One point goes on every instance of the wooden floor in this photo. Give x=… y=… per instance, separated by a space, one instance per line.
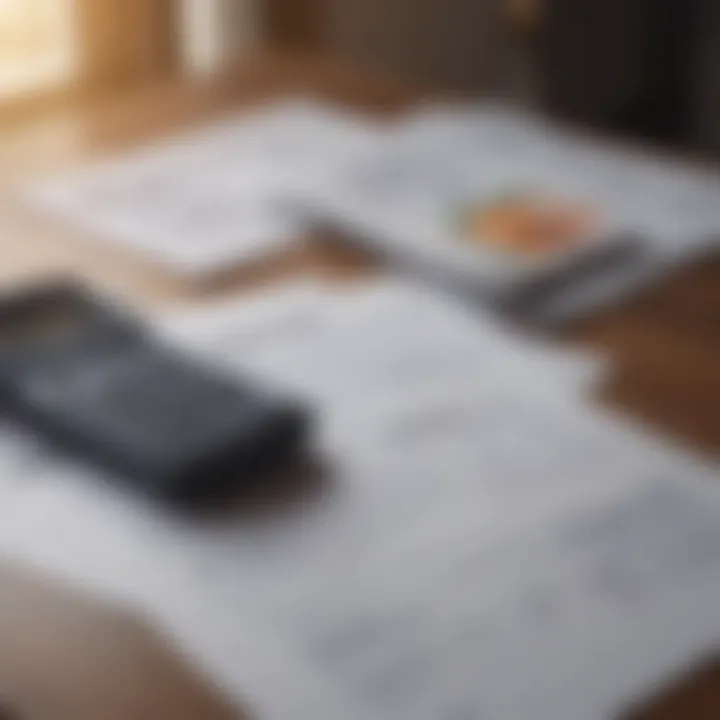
x=68 y=658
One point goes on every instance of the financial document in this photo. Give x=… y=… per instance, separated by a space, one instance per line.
x=410 y=200
x=216 y=197
x=670 y=200
x=477 y=542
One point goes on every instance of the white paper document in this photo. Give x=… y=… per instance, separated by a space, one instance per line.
x=670 y=200
x=216 y=197
x=477 y=542
x=455 y=191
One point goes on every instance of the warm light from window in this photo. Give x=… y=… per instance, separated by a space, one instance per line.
x=38 y=49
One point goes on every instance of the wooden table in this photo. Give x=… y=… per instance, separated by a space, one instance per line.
x=666 y=345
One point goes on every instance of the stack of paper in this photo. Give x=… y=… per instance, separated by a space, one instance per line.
x=482 y=197
x=491 y=198
x=485 y=545
x=220 y=196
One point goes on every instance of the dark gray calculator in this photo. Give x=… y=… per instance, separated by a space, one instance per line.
x=96 y=383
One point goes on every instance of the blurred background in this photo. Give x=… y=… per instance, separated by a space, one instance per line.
x=52 y=48
x=645 y=67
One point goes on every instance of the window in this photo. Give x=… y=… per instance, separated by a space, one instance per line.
x=49 y=46
x=38 y=47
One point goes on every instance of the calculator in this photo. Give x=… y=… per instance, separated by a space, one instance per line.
x=93 y=381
